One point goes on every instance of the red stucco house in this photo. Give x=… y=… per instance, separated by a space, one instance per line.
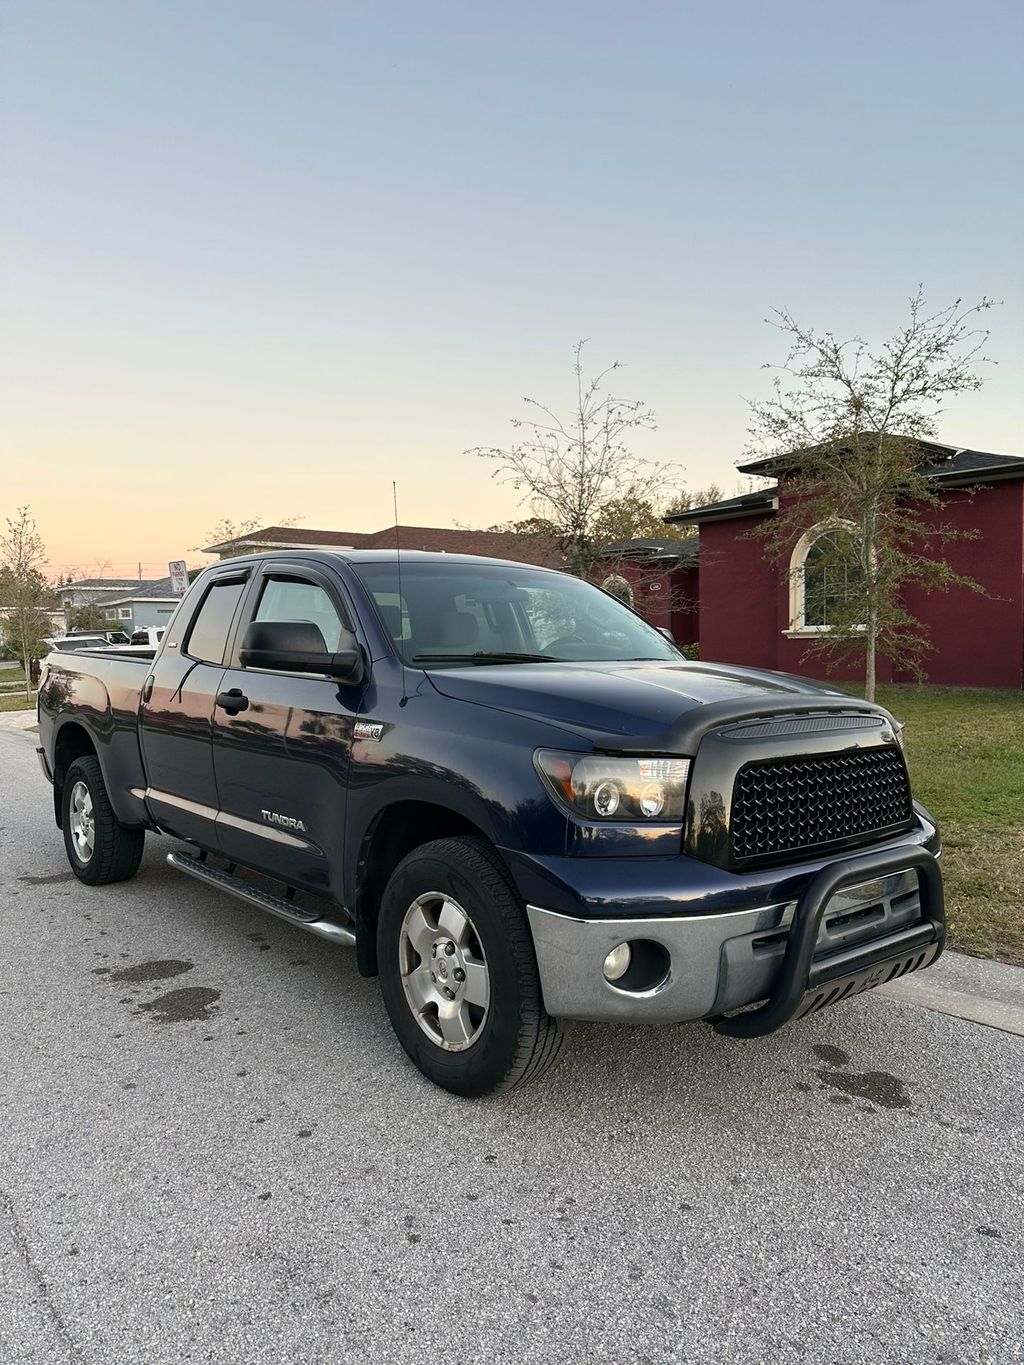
x=754 y=612
x=659 y=579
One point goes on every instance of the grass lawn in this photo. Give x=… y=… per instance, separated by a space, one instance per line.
x=965 y=751
x=17 y=701
x=15 y=674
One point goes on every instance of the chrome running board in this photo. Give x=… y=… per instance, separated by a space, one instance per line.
x=275 y=905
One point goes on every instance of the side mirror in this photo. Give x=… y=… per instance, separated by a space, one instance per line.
x=664 y=630
x=299 y=647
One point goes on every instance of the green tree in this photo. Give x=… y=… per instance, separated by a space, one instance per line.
x=25 y=591
x=845 y=425
x=685 y=501
x=89 y=616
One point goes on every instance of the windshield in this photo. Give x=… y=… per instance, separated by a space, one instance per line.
x=456 y=614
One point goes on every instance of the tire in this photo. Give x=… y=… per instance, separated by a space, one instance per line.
x=479 y=1048
x=114 y=852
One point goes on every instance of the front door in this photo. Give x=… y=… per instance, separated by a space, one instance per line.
x=177 y=716
x=282 y=758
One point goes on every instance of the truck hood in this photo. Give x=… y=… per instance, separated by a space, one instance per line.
x=614 y=704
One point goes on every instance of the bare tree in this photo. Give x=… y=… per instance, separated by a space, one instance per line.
x=573 y=470
x=27 y=593
x=226 y=529
x=846 y=424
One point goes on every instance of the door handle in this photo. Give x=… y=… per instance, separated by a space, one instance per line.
x=233 y=701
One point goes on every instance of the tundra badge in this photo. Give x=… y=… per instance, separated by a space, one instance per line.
x=285 y=821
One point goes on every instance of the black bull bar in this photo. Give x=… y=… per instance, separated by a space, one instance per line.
x=804 y=985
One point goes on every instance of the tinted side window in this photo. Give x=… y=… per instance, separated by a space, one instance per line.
x=291 y=599
x=209 y=633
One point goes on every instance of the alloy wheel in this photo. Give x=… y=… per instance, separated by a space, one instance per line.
x=83 y=825
x=444 y=971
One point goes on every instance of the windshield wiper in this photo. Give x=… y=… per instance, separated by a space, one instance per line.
x=484 y=656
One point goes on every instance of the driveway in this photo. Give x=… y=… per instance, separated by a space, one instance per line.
x=213 y=1150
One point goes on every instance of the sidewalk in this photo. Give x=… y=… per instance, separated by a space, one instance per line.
x=20 y=722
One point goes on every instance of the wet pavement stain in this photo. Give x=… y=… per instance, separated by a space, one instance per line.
x=158 y=970
x=48 y=880
x=877 y=1086
x=831 y=1056
x=186 y=1005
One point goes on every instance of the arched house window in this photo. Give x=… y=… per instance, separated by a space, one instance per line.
x=619 y=587
x=823 y=577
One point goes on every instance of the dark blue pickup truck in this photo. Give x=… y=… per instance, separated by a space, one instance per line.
x=514 y=797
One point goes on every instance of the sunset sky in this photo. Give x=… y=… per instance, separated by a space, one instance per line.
x=260 y=259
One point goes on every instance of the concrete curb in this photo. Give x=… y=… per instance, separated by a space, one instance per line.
x=988 y=993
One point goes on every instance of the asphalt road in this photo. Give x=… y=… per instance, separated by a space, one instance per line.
x=212 y=1149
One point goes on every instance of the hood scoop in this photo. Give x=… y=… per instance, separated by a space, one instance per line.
x=803 y=725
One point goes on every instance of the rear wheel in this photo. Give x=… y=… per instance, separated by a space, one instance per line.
x=99 y=848
x=458 y=971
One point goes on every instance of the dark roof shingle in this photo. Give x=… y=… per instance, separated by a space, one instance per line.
x=684 y=551
x=939 y=461
x=952 y=466
x=494 y=544
x=154 y=587
x=744 y=505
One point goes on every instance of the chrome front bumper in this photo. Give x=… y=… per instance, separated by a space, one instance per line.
x=720 y=963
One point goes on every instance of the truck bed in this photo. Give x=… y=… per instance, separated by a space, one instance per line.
x=99 y=691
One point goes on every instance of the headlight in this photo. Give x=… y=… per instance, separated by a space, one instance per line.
x=619 y=790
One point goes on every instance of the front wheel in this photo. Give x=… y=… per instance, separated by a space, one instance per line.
x=99 y=848
x=458 y=971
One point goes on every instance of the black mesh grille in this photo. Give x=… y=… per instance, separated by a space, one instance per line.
x=797 y=803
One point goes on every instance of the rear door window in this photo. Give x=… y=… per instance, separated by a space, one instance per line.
x=209 y=634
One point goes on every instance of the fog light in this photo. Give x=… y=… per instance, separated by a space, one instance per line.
x=616 y=964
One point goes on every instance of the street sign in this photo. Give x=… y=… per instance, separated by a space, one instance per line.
x=179 y=576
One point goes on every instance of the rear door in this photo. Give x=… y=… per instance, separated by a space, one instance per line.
x=177 y=715
x=282 y=759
